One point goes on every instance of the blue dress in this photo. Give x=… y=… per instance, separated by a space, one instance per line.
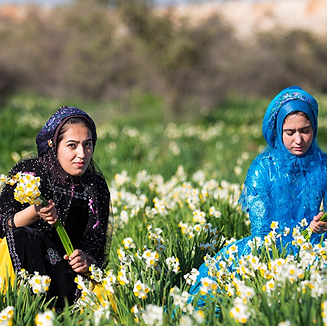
x=270 y=194
x=279 y=186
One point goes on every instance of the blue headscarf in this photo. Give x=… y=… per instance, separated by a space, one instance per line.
x=294 y=96
x=288 y=100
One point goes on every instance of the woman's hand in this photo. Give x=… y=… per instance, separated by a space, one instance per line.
x=318 y=226
x=48 y=213
x=79 y=262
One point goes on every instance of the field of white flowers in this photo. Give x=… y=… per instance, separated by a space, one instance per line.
x=175 y=190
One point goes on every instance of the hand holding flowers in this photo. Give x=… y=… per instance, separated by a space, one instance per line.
x=317 y=225
x=48 y=213
x=27 y=191
x=78 y=261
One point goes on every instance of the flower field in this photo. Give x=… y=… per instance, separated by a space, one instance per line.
x=175 y=189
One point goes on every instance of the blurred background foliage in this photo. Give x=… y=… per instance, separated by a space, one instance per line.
x=110 y=50
x=220 y=144
x=164 y=91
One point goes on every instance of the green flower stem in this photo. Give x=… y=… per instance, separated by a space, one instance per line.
x=61 y=232
x=64 y=237
x=324 y=217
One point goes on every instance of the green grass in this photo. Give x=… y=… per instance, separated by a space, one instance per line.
x=174 y=186
x=140 y=137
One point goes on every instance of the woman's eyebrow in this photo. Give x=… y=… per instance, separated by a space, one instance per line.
x=293 y=129
x=76 y=141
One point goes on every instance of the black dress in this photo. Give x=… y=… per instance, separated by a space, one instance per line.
x=83 y=208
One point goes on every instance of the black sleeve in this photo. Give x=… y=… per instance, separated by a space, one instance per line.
x=8 y=205
x=96 y=238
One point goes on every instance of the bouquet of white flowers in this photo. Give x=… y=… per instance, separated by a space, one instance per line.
x=27 y=191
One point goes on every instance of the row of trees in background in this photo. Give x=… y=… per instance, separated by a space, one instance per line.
x=92 y=51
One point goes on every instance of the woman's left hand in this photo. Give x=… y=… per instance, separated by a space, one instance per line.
x=78 y=261
x=318 y=226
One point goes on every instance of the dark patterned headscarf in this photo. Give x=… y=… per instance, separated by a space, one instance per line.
x=46 y=138
x=47 y=142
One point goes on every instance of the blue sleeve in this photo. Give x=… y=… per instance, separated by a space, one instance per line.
x=255 y=197
x=323 y=177
x=325 y=199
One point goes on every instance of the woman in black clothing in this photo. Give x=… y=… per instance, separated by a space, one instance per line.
x=76 y=194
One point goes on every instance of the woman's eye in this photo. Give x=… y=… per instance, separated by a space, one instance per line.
x=72 y=145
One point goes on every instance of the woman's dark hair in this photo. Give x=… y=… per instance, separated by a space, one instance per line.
x=70 y=122
x=298 y=112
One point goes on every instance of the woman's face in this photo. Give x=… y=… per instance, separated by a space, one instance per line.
x=297 y=134
x=75 y=149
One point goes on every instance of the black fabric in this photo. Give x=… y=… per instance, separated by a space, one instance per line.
x=77 y=222
x=37 y=253
x=83 y=209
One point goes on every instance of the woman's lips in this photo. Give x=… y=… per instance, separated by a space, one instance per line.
x=79 y=164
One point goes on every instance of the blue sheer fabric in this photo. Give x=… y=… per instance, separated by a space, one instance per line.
x=280 y=186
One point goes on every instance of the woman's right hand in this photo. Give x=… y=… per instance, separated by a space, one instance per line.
x=318 y=226
x=47 y=213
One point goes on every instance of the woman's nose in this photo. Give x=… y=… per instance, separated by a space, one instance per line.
x=298 y=138
x=80 y=152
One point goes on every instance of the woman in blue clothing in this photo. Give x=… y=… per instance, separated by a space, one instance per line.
x=287 y=182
